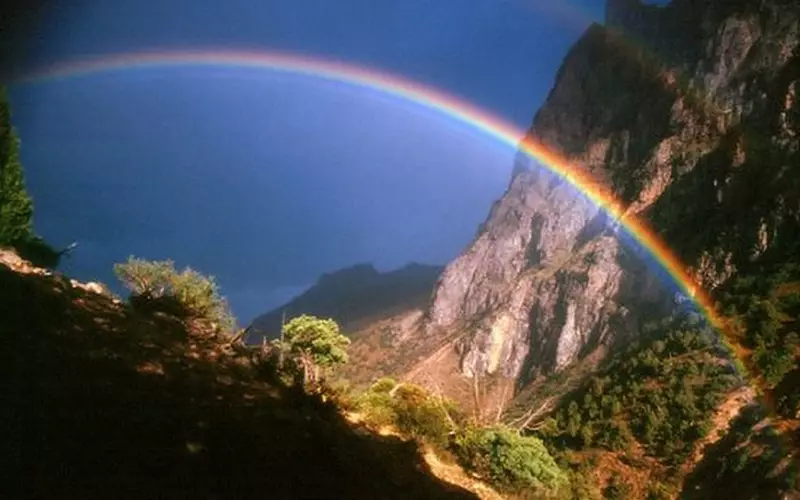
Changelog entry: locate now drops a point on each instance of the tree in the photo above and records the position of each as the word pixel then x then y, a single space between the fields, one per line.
pixel 316 343
pixel 187 292
pixel 511 460
pixel 149 279
pixel 16 206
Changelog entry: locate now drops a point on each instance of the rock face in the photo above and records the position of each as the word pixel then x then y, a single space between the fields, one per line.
pixel 690 114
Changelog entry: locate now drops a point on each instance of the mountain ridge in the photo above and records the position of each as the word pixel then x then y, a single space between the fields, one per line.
pixel 352 295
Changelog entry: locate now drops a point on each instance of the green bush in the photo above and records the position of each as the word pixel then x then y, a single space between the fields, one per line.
pixel 186 293
pixel 411 409
pixel 662 393
pixel 421 415
pixel 658 491
pixel 617 489
pixel 767 305
pixel 377 408
pixel 509 459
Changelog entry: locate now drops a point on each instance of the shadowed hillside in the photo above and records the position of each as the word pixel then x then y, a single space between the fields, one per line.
pixel 355 295
pixel 101 401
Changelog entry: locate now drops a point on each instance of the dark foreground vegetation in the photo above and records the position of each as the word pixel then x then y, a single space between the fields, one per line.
pixel 101 400
pixel 16 205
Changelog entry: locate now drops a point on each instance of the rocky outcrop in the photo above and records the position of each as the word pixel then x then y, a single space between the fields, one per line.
pixel 10 259
pixel 689 113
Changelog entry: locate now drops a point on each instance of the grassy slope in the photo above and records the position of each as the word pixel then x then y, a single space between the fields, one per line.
pixel 104 402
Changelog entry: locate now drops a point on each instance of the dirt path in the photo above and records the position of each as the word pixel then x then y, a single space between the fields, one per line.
pixel 724 415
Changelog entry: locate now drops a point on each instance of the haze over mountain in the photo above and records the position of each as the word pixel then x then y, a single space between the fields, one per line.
pixel 352 296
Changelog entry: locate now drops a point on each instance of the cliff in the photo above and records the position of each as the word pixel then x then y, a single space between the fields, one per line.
pixel 689 113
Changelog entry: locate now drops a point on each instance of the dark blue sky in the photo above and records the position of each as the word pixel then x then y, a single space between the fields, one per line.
pixel 267 180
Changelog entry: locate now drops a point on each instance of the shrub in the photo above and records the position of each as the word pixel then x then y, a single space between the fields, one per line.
pixel 377 408
pixel 617 489
pixel 511 460
pixel 314 344
pixel 421 415
pixel 661 393
pixel 186 293
pixel 411 409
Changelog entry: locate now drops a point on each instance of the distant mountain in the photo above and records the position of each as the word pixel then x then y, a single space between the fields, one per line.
pixel 354 295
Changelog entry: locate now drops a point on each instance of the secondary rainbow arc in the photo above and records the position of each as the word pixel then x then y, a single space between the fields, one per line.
pixel 421 95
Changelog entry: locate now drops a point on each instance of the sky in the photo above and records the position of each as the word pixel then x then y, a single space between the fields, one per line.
pixel 267 180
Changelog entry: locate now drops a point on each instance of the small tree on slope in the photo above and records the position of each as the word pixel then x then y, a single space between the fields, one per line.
pixel 316 344
pixel 196 294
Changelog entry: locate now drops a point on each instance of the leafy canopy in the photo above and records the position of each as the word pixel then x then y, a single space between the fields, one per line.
pixel 315 339
pixel 510 459
pixel 195 294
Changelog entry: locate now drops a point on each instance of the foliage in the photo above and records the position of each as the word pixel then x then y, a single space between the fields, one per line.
pixel 315 343
pixel 411 410
pixel 341 393
pixel 187 293
pixel 511 460
pixel 661 394
pixel 658 491
pixel 787 395
pixel 767 306
pixel 617 489
pixel 750 461
pixel 422 415
pixel 16 205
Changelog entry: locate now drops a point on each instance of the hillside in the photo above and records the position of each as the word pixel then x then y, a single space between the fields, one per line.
pixel 105 401
pixel 354 296
pixel 691 125
pixel 689 113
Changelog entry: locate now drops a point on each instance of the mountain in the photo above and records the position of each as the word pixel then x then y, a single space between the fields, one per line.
pixel 353 295
pixel 689 114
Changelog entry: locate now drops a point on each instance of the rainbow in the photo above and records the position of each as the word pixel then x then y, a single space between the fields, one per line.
pixel 421 95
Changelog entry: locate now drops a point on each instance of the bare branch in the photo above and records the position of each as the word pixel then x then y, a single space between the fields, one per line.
pixel 502 404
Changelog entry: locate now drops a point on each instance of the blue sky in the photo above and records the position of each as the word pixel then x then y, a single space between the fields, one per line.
pixel 267 180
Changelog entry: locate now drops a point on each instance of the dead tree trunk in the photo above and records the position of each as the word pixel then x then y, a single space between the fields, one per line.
pixel 500 407
pixel 476 396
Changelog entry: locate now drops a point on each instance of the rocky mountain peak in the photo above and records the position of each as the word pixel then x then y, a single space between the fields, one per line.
pixel 664 105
